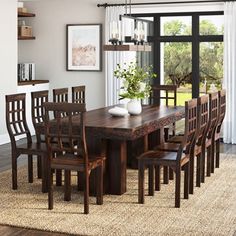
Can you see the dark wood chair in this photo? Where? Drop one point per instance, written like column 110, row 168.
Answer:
column 60, row 95
column 70, row 157
column 38, row 114
column 221, row 116
column 17, row 128
column 173, row 160
column 199, row 149
column 168, row 94
column 210, row 138
column 78, row 94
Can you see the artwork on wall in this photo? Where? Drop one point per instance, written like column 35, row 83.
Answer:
column 84, row 47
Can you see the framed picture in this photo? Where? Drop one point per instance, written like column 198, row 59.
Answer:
column 84, row 47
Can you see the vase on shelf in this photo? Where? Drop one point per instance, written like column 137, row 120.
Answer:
column 134, row 106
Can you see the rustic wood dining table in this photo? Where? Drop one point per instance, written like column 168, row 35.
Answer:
column 110, row 134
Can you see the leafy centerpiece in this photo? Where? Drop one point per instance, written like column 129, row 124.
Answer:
column 136, row 84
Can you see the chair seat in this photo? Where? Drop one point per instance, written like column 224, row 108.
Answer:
column 33, row 148
column 75, row 162
column 175, row 139
column 169, row 147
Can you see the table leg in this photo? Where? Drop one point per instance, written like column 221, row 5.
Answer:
column 116, row 166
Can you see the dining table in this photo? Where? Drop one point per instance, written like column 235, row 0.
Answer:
column 110, row 135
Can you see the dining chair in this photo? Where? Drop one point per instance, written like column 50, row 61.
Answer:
column 38, row 113
column 17, row 128
column 210, row 138
column 167, row 94
column 71, row 157
column 174, row 160
column 78, row 94
column 60, row 95
column 221, row 116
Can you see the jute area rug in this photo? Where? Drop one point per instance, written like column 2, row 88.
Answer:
column 210, row 211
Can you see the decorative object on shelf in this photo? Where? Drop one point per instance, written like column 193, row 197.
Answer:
column 26, row 71
column 136, row 84
column 118, row 111
column 84, row 47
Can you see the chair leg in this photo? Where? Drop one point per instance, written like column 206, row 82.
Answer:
column 177, row 187
column 140, row 182
column 217, row 153
column 171, row 174
column 45, row 174
column 99, row 185
column 157, row 178
column 191, row 174
column 151, row 180
column 30, row 168
column 203, row 163
column 86, row 193
column 166, row 174
column 67, row 185
column 58, row 177
column 39, row 166
column 186, row 180
column 50, row 189
column 14, row 172
column 209, row 161
column 198, row 174
column 213, row 157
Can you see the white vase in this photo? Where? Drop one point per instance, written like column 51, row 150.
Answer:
column 134, row 107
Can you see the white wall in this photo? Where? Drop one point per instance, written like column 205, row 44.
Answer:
column 48, row 51
column 8, row 58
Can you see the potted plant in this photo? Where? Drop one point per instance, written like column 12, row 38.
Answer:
column 136, row 84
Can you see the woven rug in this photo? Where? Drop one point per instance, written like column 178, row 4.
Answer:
column 210, row 211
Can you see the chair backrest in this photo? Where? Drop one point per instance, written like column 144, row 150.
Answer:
column 78, row 94
column 221, row 108
column 63, row 133
column 170, row 94
column 60, row 95
column 213, row 114
column 203, row 118
column 191, row 122
column 16, row 118
column 37, row 109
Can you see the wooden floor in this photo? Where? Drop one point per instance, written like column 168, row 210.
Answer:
column 5, row 164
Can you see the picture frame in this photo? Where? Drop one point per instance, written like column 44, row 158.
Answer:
column 84, row 43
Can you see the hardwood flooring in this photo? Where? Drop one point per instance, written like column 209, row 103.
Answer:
column 5, row 164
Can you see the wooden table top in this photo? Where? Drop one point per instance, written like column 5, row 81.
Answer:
column 129, row 127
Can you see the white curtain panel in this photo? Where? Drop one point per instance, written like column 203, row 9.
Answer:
column 229, row 131
column 112, row 58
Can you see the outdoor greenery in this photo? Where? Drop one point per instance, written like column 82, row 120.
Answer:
column 136, row 80
column 178, row 56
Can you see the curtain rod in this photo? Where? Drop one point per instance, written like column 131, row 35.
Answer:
column 158, row 3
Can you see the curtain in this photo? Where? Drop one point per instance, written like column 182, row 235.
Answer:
column 229, row 83
column 112, row 58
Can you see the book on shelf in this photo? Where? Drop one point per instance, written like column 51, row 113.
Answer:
column 26, row 71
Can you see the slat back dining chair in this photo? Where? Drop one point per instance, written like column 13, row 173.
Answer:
column 213, row 118
column 65, row 132
column 17, row 128
column 78, row 94
column 174, row 160
column 60, row 95
column 168, row 94
column 38, row 111
column 221, row 116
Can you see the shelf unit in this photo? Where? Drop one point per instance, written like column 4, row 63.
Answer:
column 25, row 14
column 32, row 82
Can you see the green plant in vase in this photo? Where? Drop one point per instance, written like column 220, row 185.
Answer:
column 136, row 84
